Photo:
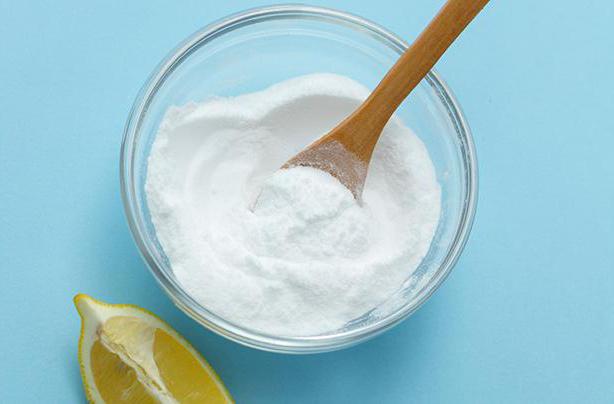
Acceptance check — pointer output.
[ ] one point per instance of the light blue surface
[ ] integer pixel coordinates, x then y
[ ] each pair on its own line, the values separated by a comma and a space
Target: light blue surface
526, 316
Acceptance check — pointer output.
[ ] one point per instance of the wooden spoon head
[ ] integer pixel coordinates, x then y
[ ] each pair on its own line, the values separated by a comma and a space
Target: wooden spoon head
333, 157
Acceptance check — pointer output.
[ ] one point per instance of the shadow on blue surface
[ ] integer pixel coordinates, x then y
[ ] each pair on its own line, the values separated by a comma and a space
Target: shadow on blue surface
73, 373
402, 351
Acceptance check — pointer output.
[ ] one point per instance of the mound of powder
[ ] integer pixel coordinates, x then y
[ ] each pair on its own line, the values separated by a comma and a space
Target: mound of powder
304, 214
287, 252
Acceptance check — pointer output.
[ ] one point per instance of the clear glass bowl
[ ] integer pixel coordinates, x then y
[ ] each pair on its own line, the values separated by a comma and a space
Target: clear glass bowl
254, 49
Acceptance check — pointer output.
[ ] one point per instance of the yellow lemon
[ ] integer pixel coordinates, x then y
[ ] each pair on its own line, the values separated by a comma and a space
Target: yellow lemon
128, 355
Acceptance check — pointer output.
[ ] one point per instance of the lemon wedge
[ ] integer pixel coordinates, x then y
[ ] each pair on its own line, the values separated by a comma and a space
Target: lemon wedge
128, 355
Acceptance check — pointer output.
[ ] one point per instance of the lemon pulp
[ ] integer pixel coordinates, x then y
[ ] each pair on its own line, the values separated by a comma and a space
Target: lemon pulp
128, 355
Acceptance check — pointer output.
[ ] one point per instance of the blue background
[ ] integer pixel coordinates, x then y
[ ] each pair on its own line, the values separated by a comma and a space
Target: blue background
526, 316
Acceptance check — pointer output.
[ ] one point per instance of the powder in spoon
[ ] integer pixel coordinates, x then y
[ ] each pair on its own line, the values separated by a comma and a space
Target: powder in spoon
306, 258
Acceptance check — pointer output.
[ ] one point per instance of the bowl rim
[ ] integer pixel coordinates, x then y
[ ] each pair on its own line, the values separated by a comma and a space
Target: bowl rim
171, 286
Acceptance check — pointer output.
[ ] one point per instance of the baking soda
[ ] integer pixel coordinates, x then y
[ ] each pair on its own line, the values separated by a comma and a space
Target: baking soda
287, 252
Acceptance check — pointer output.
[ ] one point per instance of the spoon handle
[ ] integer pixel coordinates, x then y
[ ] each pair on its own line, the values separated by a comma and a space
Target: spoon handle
418, 59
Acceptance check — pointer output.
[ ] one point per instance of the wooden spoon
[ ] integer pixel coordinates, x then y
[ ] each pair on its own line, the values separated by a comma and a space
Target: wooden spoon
346, 150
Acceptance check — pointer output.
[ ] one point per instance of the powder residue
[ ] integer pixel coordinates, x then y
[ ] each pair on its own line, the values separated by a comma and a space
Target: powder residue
287, 252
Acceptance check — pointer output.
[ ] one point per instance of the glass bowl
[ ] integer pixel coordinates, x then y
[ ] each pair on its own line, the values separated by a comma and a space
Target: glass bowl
251, 50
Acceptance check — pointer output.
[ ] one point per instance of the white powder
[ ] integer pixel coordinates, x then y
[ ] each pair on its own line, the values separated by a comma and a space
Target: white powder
307, 258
